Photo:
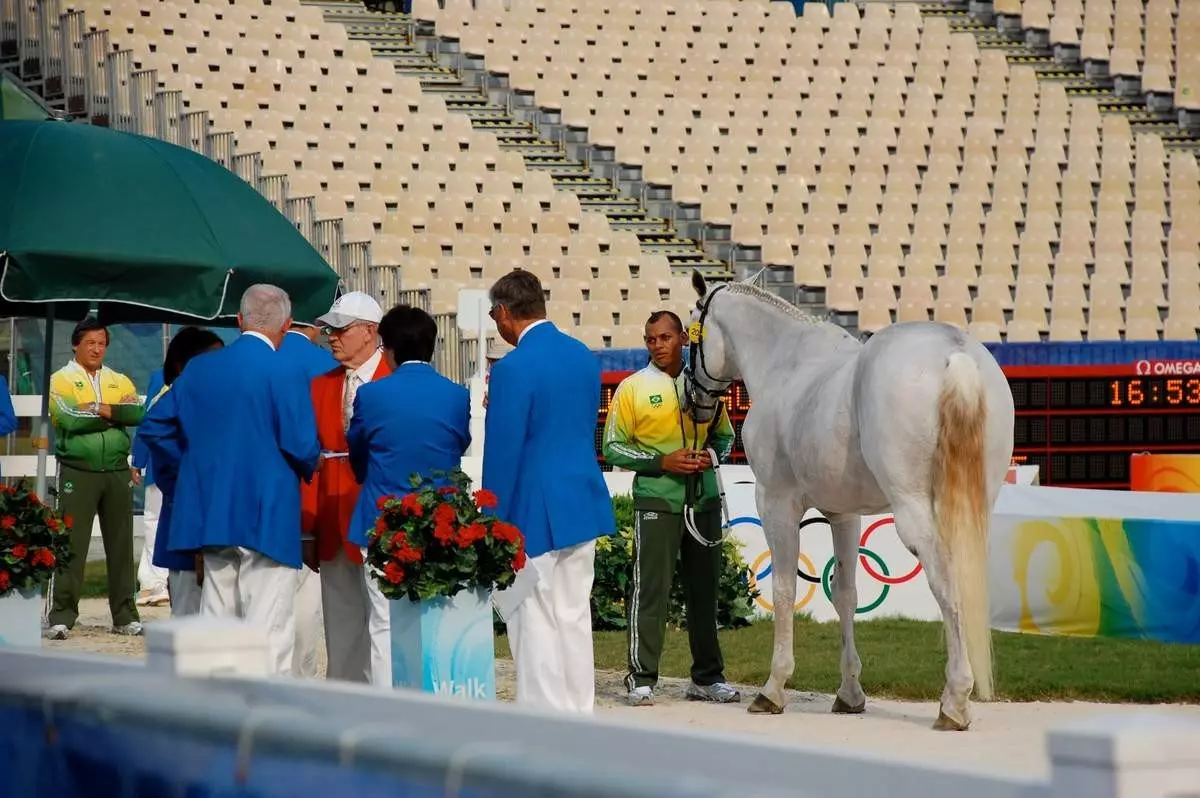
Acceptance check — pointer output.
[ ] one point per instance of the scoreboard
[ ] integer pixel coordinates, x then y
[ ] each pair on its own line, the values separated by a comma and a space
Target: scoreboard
1078, 425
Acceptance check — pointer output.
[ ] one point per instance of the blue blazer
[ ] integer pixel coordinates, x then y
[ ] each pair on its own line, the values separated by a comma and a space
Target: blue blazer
8, 415
244, 437
167, 470
540, 447
141, 455
313, 360
413, 421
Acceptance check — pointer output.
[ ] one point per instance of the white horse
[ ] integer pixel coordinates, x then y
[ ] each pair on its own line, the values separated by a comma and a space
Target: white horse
919, 419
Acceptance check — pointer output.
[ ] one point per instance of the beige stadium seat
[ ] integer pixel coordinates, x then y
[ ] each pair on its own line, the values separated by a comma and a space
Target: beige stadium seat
873, 315
1021, 331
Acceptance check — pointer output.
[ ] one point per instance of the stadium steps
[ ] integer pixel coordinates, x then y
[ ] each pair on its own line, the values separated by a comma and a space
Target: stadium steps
1063, 67
416, 53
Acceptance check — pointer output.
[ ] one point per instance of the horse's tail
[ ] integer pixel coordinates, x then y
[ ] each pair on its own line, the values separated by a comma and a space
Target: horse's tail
960, 507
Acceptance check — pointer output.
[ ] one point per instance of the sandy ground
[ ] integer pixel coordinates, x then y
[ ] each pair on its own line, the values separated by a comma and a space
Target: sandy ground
1005, 738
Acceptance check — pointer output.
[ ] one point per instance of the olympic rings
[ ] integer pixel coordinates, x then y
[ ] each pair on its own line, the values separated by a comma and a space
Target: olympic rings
756, 575
862, 558
863, 554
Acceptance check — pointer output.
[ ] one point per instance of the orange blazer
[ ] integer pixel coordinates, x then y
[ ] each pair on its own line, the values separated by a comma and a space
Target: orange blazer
329, 501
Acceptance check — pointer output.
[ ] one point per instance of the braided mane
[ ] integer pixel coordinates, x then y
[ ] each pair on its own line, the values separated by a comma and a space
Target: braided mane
774, 300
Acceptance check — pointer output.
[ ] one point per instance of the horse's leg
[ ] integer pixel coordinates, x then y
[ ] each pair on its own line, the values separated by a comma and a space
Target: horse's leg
850, 697
915, 526
781, 526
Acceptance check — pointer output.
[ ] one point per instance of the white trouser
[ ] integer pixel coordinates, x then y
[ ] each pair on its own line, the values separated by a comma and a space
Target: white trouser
550, 633
357, 623
242, 583
185, 593
151, 578
308, 623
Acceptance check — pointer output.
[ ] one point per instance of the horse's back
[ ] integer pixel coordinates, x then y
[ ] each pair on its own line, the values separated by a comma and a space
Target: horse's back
898, 382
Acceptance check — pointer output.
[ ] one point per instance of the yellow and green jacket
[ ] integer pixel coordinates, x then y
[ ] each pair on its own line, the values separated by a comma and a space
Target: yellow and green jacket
84, 440
644, 424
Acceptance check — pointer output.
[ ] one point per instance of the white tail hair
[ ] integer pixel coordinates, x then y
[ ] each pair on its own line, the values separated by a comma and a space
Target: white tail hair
961, 511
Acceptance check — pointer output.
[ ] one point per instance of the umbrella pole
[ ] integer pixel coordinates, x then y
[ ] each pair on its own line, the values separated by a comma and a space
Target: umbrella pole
43, 439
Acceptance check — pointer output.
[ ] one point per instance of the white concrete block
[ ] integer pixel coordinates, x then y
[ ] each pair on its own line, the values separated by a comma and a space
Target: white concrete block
201, 646
1148, 755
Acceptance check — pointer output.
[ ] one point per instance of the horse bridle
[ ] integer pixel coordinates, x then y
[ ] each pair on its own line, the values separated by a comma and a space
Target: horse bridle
696, 361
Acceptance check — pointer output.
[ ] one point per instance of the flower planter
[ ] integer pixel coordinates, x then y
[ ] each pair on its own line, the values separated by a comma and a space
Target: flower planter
445, 645
21, 618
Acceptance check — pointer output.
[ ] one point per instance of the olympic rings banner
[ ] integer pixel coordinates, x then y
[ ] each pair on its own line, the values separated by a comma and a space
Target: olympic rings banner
891, 583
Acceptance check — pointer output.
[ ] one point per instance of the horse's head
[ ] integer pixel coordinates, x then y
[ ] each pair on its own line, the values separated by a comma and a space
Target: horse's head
709, 371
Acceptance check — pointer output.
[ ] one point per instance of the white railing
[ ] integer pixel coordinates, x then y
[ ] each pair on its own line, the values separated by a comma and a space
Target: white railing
346, 732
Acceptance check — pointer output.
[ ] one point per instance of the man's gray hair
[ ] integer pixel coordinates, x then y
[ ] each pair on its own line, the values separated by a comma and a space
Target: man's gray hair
265, 308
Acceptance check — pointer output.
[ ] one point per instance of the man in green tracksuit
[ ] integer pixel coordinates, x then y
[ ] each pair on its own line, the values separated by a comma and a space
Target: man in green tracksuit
648, 433
92, 408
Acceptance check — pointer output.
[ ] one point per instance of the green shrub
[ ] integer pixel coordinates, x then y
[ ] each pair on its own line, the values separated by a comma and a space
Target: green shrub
614, 567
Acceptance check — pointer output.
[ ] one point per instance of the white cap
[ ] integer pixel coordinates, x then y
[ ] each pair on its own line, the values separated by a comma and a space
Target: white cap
352, 307
497, 348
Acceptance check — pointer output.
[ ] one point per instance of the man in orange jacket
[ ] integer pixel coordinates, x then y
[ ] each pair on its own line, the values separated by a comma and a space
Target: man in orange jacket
356, 651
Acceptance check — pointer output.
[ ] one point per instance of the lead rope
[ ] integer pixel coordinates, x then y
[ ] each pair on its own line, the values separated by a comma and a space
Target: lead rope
689, 511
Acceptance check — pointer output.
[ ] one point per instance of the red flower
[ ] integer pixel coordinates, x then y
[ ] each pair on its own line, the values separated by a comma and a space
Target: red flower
444, 514
4, 580
444, 533
506, 533
393, 573
19, 551
381, 524
470, 534
448, 490
519, 560
68, 521
408, 554
8, 522
485, 499
381, 502
43, 557
411, 504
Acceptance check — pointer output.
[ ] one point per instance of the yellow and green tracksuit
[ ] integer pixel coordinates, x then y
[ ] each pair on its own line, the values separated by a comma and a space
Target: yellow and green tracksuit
644, 424
94, 477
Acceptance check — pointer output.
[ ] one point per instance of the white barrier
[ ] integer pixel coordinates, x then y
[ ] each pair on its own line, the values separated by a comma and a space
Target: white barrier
361, 728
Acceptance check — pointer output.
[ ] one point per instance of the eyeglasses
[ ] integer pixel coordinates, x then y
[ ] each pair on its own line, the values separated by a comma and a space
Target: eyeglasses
495, 309
340, 330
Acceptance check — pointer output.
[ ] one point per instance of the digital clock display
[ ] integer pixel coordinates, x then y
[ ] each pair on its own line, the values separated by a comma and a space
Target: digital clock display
1097, 393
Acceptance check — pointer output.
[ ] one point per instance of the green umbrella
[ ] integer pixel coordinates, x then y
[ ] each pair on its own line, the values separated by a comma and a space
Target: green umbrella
141, 228
17, 102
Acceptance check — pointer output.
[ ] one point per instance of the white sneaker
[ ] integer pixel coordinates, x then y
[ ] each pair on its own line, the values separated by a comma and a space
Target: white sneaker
57, 632
641, 696
131, 629
154, 597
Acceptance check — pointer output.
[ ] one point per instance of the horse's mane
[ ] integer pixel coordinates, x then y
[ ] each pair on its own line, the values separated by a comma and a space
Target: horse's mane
776, 301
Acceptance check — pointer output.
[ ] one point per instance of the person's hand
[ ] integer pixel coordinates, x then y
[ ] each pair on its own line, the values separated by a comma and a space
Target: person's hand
136, 476
200, 570
104, 411
681, 461
129, 399
308, 549
704, 460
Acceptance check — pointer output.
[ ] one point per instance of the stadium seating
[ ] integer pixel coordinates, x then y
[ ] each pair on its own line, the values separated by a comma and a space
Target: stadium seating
884, 164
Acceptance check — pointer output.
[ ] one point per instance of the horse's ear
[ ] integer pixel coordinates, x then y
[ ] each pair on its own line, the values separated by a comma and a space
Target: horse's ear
698, 283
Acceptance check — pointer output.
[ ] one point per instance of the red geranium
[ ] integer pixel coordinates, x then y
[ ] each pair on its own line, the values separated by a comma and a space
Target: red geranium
34, 544
439, 539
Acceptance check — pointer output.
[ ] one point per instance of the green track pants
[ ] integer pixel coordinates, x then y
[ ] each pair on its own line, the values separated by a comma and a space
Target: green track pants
660, 540
82, 495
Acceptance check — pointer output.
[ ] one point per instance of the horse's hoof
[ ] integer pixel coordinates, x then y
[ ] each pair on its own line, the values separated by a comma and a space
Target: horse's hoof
840, 707
945, 723
761, 705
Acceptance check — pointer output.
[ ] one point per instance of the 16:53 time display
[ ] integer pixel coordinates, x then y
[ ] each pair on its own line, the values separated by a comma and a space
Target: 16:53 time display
1154, 392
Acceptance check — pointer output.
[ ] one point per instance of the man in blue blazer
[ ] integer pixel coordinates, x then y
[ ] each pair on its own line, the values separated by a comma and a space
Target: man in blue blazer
244, 437
301, 347
413, 421
540, 460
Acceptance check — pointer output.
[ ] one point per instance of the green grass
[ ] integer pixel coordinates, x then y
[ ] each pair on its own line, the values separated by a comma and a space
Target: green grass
905, 659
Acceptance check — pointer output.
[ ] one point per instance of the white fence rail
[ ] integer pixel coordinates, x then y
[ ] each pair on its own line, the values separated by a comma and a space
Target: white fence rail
333, 735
